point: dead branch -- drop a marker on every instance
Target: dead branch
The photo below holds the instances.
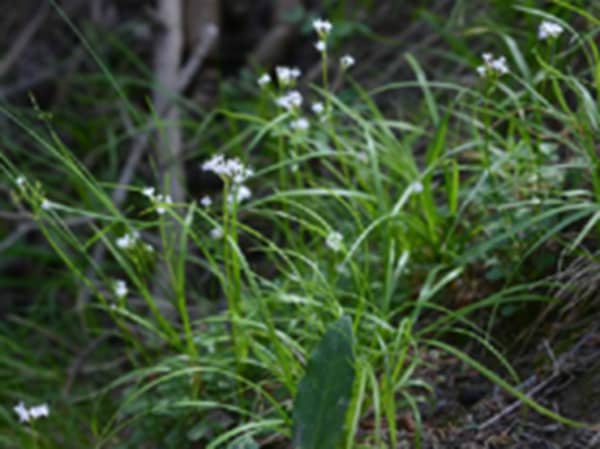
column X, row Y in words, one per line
column 23, row 38
column 195, row 61
column 167, row 61
column 557, row 371
column 276, row 41
column 26, row 227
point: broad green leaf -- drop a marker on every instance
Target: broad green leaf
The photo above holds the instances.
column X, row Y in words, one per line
column 325, row 391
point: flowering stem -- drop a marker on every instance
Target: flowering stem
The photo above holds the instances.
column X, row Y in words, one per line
column 180, row 283
column 326, row 82
column 232, row 269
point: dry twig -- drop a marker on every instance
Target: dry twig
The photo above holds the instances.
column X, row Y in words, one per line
column 23, row 38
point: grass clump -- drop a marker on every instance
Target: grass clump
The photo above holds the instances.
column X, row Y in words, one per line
column 422, row 230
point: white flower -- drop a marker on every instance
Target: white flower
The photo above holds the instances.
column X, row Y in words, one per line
column 283, row 75
column 322, row 26
column 318, row 108
column 20, row 181
column 287, row 75
column 492, row 66
column 22, row 412
column 39, row 410
column 206, row 201
column 549, row 29
column 487, row 57
column 300, row 124
column 162, row 200
column 264, row 80
column 321, row 46
column 239, row 194
column 124, row 242
column 416, row 187
column 47, row 204
column 216, row 233
column 347, row 61
column 290, row 100
column 233, row 168
column 334, row 241
column 500, row 66
column 148, row 192
column 128, row 241
column 35, row 412
column 120, row 288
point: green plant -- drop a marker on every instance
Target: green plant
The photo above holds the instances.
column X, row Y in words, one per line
column 213, row 307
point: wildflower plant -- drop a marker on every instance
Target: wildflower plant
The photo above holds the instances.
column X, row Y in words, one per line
column 160, row 202
column 334, row 241
column 234, row 173
column 206, row 201
column 351, row 217
column 287, row 76
column 347, row 61
column 492, row 66
column 32, row 413
column 549, row 30
column 120, row 288
column 323, row 29
column 264, row 80
column 290, row 101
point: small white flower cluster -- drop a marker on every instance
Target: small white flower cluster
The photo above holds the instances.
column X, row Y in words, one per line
column 128, row 241
column 232, row 169
column 334, row 241
column 318, row 108
column 46, row 204
column 416, row 187
column 120, row 288
column 491, row 65
column 239, row 193
column 300, row 124
column 20, row 181
column 347, row 61
column 27, row 414
column 148, row 192
column 216, row 233
column 159, row 200
column 286, row 76
column 206, row 201
column 323, row 28
column 291, row 100
column 549, row 30
column 264, row 79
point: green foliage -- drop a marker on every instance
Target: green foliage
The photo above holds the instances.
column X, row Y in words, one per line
column 325, row 391
column 438, row 220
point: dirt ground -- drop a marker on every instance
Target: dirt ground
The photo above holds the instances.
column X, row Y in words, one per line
column 471, row 413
